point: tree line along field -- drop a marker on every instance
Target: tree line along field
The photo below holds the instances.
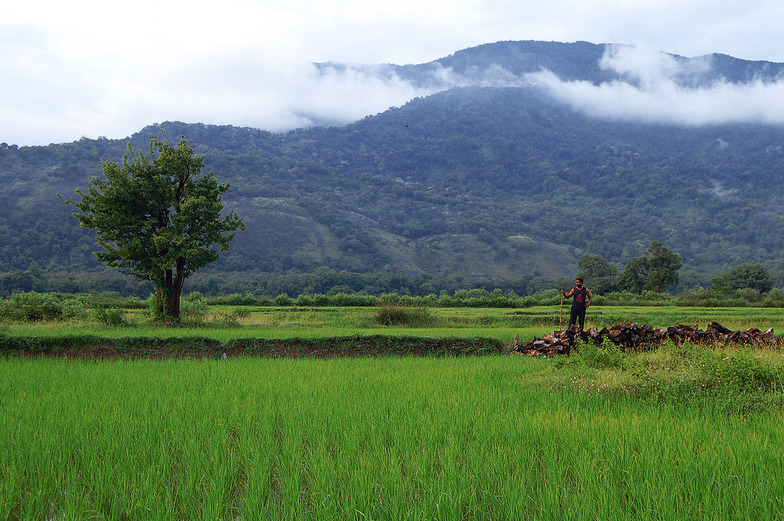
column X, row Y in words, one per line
column 683, row 432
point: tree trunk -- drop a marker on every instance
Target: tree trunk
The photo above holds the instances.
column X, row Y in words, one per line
column 175, row 280
column 173, row 305
column 175, row 289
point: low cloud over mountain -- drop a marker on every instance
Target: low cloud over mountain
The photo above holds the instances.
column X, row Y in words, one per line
column 243, row 88
column 624, row 83
column 658, row 88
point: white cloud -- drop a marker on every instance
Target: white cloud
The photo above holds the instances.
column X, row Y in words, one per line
column 90, row 67
column 647, row 89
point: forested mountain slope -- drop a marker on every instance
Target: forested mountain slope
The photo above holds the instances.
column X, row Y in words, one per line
column 499, row 185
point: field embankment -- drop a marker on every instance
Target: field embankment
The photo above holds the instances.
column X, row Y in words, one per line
column 92, row 347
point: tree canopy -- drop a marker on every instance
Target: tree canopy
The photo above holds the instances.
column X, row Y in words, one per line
column 598, row 274
column 654, row 271
column 754, row 276
column 157, row 218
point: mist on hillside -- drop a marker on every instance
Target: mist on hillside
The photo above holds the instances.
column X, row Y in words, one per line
column 648, row 86
column 628, row 83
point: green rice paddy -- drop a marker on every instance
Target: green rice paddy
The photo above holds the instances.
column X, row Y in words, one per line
column 495, row 437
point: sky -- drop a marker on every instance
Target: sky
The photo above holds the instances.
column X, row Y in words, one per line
column 92, row 68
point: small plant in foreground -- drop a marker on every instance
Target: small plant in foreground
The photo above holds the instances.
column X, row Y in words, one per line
column 607, row 355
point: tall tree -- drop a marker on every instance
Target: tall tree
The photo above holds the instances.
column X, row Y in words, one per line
column 599, row 275
column 654, row 271
column 754, row 276
column 664, row 267
column 634, row 275
column 158, row 218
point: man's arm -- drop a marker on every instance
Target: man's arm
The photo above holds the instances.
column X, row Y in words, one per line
column 590, row 297
column 568, row 295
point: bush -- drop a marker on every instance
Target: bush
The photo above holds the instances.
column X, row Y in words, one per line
column 304, row 301
column 155, row 307
column 398, row 315
column 111, row 316
column 283, row 300
column 741, row 373
column 194, row 306
column 353, row 299
column 34, row 306
column 774, row 298
column 320, row 300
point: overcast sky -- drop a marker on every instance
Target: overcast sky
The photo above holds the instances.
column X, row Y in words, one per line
column 99, row 68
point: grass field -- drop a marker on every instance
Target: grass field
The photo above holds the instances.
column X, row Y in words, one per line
column 291, row 322
column 683, row 433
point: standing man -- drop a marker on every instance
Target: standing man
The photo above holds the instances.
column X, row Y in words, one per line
column 582, row 299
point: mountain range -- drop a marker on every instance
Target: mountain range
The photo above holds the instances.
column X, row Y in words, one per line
column 501, row 178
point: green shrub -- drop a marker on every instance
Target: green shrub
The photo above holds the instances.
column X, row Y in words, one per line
column 742, row 373
column 734, row 381
column 304, row 301
column 399, row 315
column 321, row 300
column 155, row 307
column 352, row 300
column 110, row 316
column 33, row 306
column 774, row 298
column 194, row 306
column 283, row 300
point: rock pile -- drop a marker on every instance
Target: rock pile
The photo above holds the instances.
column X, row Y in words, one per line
column 636, row 337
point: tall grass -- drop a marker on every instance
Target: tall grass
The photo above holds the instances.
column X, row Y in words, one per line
column 391, row 438
column 735, row 380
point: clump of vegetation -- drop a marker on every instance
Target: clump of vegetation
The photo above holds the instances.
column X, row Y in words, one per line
column 230, row 318
column 111, row 316
column 112, row 299
column 389, row 314
column 735, row 380
column 195, row 306
column 604, row 356
column 33, row 306
column 195, row 312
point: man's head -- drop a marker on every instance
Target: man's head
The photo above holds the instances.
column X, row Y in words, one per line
column 579, row 282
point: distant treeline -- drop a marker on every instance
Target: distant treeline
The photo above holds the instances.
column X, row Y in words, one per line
column 333, row 288
column 213, row 284
column 478, row 298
